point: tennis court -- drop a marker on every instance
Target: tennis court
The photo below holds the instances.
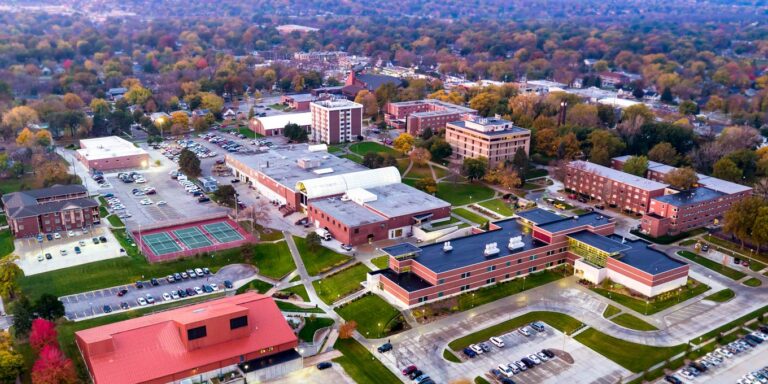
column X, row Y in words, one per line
column 161, row 243
column 192, row 237
column 223, row 232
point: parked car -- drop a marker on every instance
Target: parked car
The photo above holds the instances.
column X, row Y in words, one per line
column 48, row 256
column 672, row 380
column 228, row 284
column 102, row 239
column 154, row 282
column 106, row 309
column 141, row 301
column 122, row 292
column 476, row 348
column 524, row 331
column 124, row 305
column 497, row 341
column 150, row 299
column 408, row 370
column 386, row 347
column 324, row 365
column 139, row 285
column 548, row 352
column 469, row 352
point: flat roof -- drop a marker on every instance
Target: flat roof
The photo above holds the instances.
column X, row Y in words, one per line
column 333, row 104
column 395, row 200
column 349, row 213
column 721, row 185
column 489, row 122
column 409, row 281
column 646, row 259
column 600, row 242
column 539, row 216
column 303, row 119
column 301, row 97
column 401, row 249
column 689, row 197
column 281, row 164
column 622, row 177
column 444, row 104
column 593, row 219
column 107, row 148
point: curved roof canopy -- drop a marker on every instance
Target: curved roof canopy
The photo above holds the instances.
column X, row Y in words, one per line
column 339, row 184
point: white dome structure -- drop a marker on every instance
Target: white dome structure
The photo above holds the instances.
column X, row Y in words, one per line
column 340, row 184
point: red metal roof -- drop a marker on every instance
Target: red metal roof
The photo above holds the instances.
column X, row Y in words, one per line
column 150, row 347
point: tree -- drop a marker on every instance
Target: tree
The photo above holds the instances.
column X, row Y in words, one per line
column 636, row 165
column 485, row 103
column 180, row 118
column 294, row 132
column 666, row 96
column 314, row 242
column 43, row 138
column 760, row 227
column 9, row 274
column 546, row 141
column 25, row 138
column 664, row 153
column 374, row 160
column 688, row 107
column 18, row 118
column 52, row 367
column 369, row 102
column 226, row 195
column 211, row 102
column 11, row 361
column 605, row 145
column 189, row 163
column 137, row 95
column 347, row 329
column 520, row 161
column 49, row 307
column 681, row 178
column 426, row 184
column 72, row 102
column 440, row 149
column 404, row 142
column 568, row 147
column 503, row 175
column 739, row 219
column 420, row 156
column 43, row 333
column 22, row 316
column 474, row 169
column 726, row 169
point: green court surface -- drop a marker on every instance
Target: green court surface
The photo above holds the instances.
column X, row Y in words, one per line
column 192, row 237
column 160, row 243
column 223, row 232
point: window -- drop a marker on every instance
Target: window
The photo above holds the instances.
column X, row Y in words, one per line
column 533, row 257
column 491, row 268
column 423, row 299
column 490, row 281
column 441, row 281
column 464, row 287
column 519, row 261
column 531, row 269
column 506, row 276
column 196, row 333
column 439, row 294
column 238, row 322
column 465, row 275
column 509, row 263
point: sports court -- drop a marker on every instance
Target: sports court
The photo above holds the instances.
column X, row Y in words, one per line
column 223, row 232
column 192, row 237
column 161, row 243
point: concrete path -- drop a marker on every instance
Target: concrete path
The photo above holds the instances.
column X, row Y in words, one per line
column 306, row 279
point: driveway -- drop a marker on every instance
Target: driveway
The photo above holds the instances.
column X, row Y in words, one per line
column 88, row 304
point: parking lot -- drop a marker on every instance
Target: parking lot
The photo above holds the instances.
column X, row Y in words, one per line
column 587, row 366
column 88, row 304
column 30, row 250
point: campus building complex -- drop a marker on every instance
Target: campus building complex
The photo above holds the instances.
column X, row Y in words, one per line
column 534, row 241
column 492, row 138
column 111, row 153
column 336, row 120
column 244, row 334
column 299, row 102
column 417, row 115
column 54, row 209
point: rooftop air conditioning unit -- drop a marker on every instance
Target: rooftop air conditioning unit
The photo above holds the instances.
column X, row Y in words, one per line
column 515, row 243
column 491, row 249
column 345, row 197
column 576, row 217
column 447, row 247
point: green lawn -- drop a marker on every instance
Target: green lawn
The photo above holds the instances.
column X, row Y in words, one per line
column 381, row 262
column 295, row 279
column 634, row 357
column 448, row 355
column 469, row 215
column 6, row 243
column 463, row 193
column 501, row 290
column 340, row 284
column 291, row 307
column 370, row 146
column 610, row 311
column 320, row 260
column 255, row 285
column 498, row 206
column 3, row 219
column 245, row 131
column 375, row 318
column 11, row 185
column 273, row 259
column 336, row 148
column 103, row 211
column 353, row 157
column 689, row 242
column 440, row 172
column 735, row 247
column 481, row 380
column 115, row 221
column 717, row 267
column 628, row 321
column 560, row 321
column 657, row 305
column 311, row 325
column 753, row 282
column 419, row 171
column 361, row 365
column 298, row 290
column 278, row 106
column 721, row 296
column 756, row 265
column 732, row 324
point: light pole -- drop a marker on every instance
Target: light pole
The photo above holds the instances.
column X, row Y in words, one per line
column 646, row 307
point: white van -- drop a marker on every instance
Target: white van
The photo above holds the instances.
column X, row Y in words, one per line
column 323, row 233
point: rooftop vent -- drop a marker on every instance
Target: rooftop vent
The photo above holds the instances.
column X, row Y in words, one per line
column 515, row 243
column 576, row 217
column 491, row 249
column 447, row 247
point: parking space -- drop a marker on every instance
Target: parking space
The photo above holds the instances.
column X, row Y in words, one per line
column 67, row 251
column 88, row 304
column 683, row 314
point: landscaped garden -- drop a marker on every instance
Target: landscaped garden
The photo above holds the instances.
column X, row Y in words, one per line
column 340, row 284
column 255, row 285
column 375, row 317
column 499, row 207
column 311, row 325
column 463, row 193
column 656, row 304
column 381, row 262
column 469, row 215
column 298, row 290
column 721, row 296
column 632, row 356
column 320, row 259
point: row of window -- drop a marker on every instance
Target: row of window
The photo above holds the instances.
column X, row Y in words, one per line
column 202, row 331
column 492, row 268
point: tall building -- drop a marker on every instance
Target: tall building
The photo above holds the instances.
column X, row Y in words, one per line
column 417, row 115
column 492, row 138
column 336, row 120
column 54, row 209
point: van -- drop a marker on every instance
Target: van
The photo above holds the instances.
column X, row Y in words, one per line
column 323, row 233
column 182, row 177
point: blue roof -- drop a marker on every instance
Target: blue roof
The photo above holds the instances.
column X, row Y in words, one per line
column 539, row 216
column 401, row 249
column 646, row 259
column 594, row 219
column 600, row 242
column 691, row 196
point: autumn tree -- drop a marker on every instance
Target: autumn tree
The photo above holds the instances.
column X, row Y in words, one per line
column 485, row 103
column 474, row 169
column 211, row 102
column 72, row 101
column 180, row 118
column 726, row 169
column 636, row 165
column 369, row 103
column 759, row 233
column 137, row 95
column 739, row 219
column 681, row 178
column 18, row 118
column 25, row 138
column 11, row 361
column 605, row 145
column 43, row 333
column 375, row 160
column 52, row 367
column 503, row 175
column 420, row 156
column 664, row 153
column 426, row 184
column 568, row 147
column 347, row 329
column 452, row 97
column 43, row 138
column 9, row 275
column 546, row 141
column 404, row 142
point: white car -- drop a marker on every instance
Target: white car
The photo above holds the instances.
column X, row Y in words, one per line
column 63, row 252
column 535, row 359
column 685, row 374
column 166, row 296
column 141, row 301
column 542, row 356
column 150, row 299
column 140, row 181
column 476, row 348
column 506, row 371
column 199, row 271
column 71, row 233
column 497, row 341
column 146, row 202
column 174, row 295
column 523, row 331
column 214, row 286
column 82, row 243
column 521, row 365
column 198, row 290
column 161, row 202
column 760, row 335
column 56, row 235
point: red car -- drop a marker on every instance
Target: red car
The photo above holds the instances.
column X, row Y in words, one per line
column 408, row 370
column 122, row 292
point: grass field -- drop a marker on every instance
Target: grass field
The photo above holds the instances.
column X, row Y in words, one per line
column 359, row 364
column 658, row 305
column 115, row 221
column 298, row 290
column 717, row 267
column 419, row 171
column 245, row 131
column 381, row 262
column 440, row 172
column 369, row 146
column 375, row 318
column 311, row 325
column 498, row 291
column 498, row 206
column 481, row 380
column 448, row 355
column 469, row 215
column 634, row 357
column 721, row 296
column 560, row 321
column 353, row 157
column 291, row 307
column 321, row 260
column 463, row 193
column 273, row 259
column 752, row 282
column 6, row 243
column 610, row 311
column 628, row 321
column 340, row 284
column 255, row 285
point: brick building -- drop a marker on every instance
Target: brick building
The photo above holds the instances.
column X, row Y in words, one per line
column 417, row 115
column 275, row 124
column 111, row 153
column 47, row 210
column 299, row 102
column 246, row 334
column 492, row 138
column 336, row 121
column 511, row 249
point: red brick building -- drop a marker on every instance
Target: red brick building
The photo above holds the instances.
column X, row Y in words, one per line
column 299, row 102
column 492, row 138
column 54, row 209
column 515, row 248
column 274, row 125
column 418, row 115
column 245, row 333
column 336, row 121
column 111, row 153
